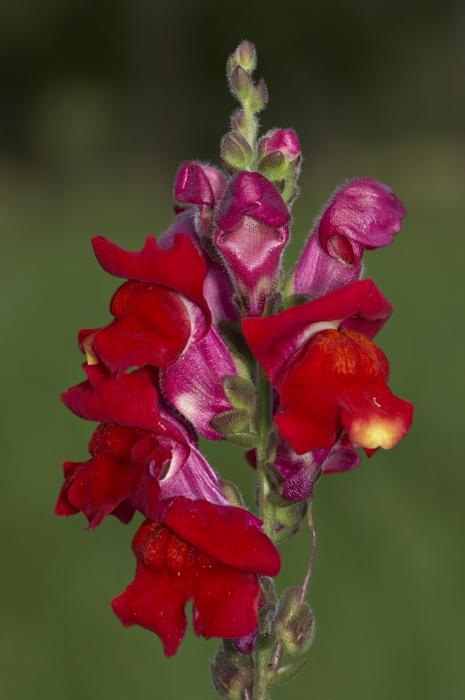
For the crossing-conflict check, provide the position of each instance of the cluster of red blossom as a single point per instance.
(169, 366)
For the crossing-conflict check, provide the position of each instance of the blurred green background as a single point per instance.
(99, 104)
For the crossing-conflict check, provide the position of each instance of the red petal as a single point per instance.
(95, 488)
(181, 267)
(339, 381)
(155, 600)
(225, 601)
(275, 339)
(229, 534)
(151, 327)
(63, 506)
(129, 400)
(376, 417)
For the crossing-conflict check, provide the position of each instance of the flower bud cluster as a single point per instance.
(238, 146)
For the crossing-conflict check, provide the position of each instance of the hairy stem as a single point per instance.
(264, 417)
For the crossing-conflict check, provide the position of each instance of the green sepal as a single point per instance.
(284, 534)
(291, 515)
(240, 392)
(241, 84)
(273, 166)
(230, 422)
(231, 674)
(268, 591)
(232, 493)
(259, 97)
(266, 618)
(245, 440)
(287, 673)
(235, 427)
(235, 151)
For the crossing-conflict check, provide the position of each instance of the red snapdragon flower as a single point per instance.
(141, 454)
(159, 312)
(210, 554)
(329, 374)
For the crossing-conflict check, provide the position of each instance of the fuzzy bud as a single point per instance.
(284, 141)
(239, 122)
(259, 97)
(235, 426)
(241, 83)
(240, 392)
(232, 493)
(295, 623)
(235, 150)
(231, 674)
(244, 56)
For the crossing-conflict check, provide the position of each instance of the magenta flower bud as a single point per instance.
(252, 230)
(363, 214)
(199, 185)
(284, 140)
(194, 383)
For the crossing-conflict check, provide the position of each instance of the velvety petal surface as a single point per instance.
(228, 534)
(363, 214)
(194, 384)
(181, 267)
(339, 382)
(275, 339)
(130, 399)
(155, 600)
(225, 601)
(198, 184)
(252, 231)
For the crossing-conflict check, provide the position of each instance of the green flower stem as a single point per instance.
(264, 421)
(251, 125)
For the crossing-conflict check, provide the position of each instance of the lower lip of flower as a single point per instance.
(376, 432)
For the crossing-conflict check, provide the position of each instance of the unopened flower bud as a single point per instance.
(295, 623)
(239, 122)
(198, 184)
(284, 141)
(259, 96)
(241, 83)
(252, 221)
(232, 493)
(231, 674)
(244, 56)
(235, 151)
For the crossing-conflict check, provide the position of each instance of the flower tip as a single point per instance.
(374, 432)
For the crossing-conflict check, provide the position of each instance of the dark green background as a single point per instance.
(99, 104)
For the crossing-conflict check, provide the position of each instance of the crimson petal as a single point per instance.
(228, 534)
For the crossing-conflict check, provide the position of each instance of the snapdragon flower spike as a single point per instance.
(362, 215)
(141, 454)
(329, 375)
(252, 231)
(210, 554)
(159, 312)
(194, 383)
